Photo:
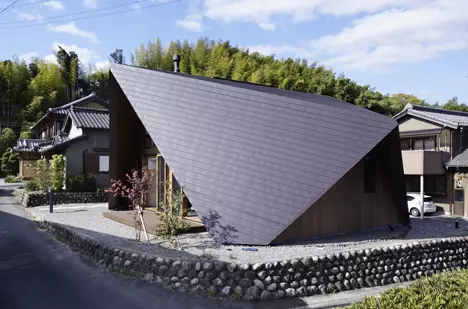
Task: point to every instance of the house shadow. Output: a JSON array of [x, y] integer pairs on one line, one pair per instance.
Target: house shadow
[[221, 234]]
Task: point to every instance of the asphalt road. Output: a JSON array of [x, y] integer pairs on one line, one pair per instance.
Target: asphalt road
[[37, 271]]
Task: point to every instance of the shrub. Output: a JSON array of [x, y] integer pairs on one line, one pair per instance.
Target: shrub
[[57, 172], [171, 212], [43, 174], [135, 188], [9, 162], [32, 186], [82, 183], [447, 290], [11, 179]]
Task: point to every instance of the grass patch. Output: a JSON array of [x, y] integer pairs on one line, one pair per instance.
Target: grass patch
[[211, 293], [447, 290]]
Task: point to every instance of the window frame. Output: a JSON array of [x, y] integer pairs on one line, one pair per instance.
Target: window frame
[[99, 158]]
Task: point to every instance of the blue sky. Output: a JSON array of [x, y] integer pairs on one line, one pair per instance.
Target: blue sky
[[410, 46]]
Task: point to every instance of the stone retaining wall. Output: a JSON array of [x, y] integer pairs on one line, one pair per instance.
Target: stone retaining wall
[[274, 280], [33, 199]]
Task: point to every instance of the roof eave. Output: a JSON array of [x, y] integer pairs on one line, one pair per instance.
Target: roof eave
[[424, 117], [49, 111]]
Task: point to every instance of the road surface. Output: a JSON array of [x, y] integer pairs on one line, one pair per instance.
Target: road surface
[[37, 271]]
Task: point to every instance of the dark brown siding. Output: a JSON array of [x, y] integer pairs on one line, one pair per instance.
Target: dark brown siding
[[91, 163], [125, 139], [345, 207]]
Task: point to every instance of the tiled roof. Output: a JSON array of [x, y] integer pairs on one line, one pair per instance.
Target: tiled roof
[[249, 157], [64, 109], [58, 141], [28, 145], [89, 118], [460, 160], [452, 119]]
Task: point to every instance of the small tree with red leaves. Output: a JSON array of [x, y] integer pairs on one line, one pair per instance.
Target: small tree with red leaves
[[136, 189]]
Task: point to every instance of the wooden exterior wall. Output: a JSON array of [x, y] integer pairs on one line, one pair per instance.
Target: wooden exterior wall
[[346, 207], [125, 139], [26, 161]]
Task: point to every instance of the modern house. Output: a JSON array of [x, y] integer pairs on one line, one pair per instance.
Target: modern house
[[80, 131], [259, 165], [434, 146]]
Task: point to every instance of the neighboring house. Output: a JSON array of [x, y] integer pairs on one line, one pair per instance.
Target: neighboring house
[[434, 146], [28, 155], [259, 165], [80, 131]]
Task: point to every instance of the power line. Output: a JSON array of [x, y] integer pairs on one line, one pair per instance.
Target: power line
[[66, 19], [75, 14], [7, 7], [30, 3]]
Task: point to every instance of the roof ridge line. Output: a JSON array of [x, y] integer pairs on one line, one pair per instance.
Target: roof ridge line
[[438, 109]]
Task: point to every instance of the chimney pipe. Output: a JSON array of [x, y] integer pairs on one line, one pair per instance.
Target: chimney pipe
[[176, 60]]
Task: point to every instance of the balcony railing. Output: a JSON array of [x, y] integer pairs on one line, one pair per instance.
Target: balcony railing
[[422, 162]]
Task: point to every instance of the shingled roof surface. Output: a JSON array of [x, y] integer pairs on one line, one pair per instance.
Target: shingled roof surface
[[460, 160], [90, 118], [28, 145], [251, 159], [63, 109], [449, 118]]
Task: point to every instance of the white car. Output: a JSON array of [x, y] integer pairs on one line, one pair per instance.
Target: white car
[[414, 204]]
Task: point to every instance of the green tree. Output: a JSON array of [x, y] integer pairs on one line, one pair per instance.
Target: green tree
[[43, 174], [454, 105], [9, 163], [57, 172], [69, 70], [117, 56], [7, 139]]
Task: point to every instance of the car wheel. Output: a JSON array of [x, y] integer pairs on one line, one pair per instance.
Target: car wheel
[[414, 212]]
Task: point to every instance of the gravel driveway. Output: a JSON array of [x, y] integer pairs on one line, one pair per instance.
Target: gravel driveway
[[88, 220]]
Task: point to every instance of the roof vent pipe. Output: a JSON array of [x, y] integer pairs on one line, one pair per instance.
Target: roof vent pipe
[[176, 60]]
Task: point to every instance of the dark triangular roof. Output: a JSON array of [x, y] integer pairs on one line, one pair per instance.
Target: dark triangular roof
[[250, 158]]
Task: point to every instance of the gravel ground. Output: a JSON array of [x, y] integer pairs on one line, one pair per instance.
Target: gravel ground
[[88, 219]]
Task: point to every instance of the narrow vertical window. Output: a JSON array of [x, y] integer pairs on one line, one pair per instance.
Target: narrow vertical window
[[369, 173], [161, 179]]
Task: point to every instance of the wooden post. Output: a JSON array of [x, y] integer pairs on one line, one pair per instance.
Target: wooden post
[[422, 196]]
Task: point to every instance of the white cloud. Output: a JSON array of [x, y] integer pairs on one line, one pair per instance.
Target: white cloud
[[396, 36], [262, 13], [28, 57], [87, 56], [50, 59], [282, 50], [382, 34], [54, 5], [91, 4], [191, 22], [30, 16], [102, 65], [71, 28]]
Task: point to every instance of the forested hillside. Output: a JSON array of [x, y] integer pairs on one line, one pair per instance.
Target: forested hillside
[[27, 90]]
